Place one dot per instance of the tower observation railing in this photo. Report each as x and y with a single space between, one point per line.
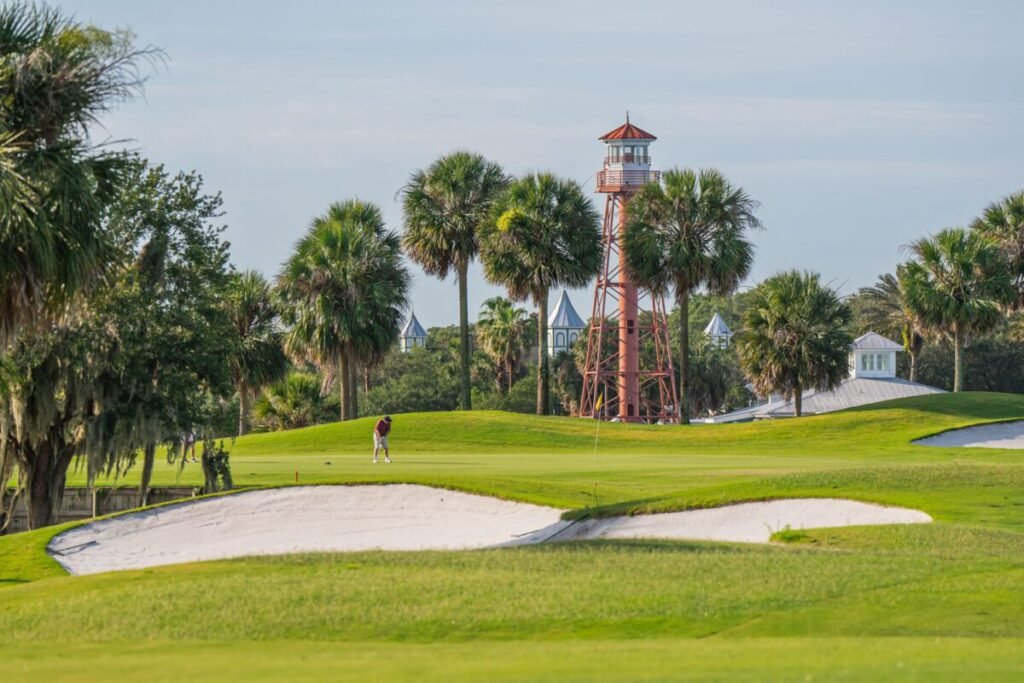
617 181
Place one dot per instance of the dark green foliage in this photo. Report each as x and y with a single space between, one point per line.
521 398
992 363
567 379
445 206
1003 221
794 336
56 77
503 332
142 362
883 308
688 232
543 233
216 467
257 350
415 381
343 294
716 380
957 286
293 402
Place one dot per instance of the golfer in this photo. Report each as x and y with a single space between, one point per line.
380 438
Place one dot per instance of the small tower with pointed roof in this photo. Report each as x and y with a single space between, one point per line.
718 332
564 326
412 334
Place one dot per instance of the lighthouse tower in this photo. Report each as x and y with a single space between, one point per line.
627 322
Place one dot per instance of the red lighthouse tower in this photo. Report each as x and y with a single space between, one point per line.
627 322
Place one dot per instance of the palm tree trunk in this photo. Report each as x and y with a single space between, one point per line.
958 361
683 301
343 378
353 383
798 400
243 408
913 366
510 369
543 390
465 399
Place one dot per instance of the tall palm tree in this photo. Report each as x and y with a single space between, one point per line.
501 331
343 293
257 355
445 206
1004 222
887 312
957 285
794 337
58 76
689 231
544 233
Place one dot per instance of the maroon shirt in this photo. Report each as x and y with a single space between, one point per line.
382 428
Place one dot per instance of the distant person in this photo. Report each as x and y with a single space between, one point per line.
380 438
189 445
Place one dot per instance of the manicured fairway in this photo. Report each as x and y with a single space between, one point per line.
939 602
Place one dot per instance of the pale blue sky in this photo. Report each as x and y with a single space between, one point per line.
859 126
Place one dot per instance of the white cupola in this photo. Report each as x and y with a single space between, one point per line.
872 355
564 326
412 334
718 332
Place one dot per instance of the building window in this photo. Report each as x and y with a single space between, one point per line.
559 340
883 361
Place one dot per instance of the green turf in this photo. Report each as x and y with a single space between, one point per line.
942 602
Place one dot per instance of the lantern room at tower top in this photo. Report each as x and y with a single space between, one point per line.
627 161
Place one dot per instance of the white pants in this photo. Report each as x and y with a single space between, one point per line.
380 441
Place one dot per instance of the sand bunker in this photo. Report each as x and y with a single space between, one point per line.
406 517
745 522
299 519
1000 435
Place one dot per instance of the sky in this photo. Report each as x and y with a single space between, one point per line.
858 126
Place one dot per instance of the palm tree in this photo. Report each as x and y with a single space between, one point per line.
887 312
689 232
343 293
501 331
257 355
794 337
544 233
1004 222
292 402
445 206
957 286
58 76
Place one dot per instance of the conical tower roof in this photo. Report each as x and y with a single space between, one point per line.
564 314
717 327
413 329
627 131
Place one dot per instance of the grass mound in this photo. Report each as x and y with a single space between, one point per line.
932 603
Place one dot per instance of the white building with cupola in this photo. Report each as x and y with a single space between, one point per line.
872 379
564 326
718 332
412 335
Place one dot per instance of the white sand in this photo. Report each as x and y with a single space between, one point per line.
1001 435
407 517
745 522
299 519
